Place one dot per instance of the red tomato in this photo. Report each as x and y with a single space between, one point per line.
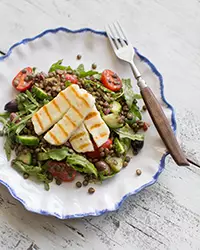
111 80
61 170
96 153
71 78
19 82
107 144
146 126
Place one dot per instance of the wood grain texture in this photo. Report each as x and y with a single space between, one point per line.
163 127
166 215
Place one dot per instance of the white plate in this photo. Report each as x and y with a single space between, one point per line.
66 201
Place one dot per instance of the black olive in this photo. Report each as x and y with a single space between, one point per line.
103 167
137 146
11 106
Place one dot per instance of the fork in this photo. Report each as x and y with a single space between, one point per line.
124 51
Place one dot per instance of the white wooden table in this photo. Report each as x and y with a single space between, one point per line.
166 215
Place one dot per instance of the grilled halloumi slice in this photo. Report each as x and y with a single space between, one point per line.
97 127
80 140
80 107
52 112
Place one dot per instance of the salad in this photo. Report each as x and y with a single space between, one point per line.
69 122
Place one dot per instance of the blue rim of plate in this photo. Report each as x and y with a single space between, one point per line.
169 106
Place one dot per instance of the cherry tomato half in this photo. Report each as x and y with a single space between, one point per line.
71 78
111 80
96 153
19 82
146 126
61 170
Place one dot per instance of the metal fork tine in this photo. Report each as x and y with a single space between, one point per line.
110 38
121 39
117 43
123 32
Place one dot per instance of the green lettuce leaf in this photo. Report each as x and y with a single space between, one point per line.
7 147
5 115
81 164
137 96
58 154
128 91
35 171
58 65
127 132
82 73
135 111
105 177
24 168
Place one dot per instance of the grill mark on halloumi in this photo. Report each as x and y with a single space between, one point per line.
62 94
38 120
62 129
100 136
81 98
77 136
54 138
81 116
56 105
91 115
84 146
64 97
73 124
47 113
80 140
97 125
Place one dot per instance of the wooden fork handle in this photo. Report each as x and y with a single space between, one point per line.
163 127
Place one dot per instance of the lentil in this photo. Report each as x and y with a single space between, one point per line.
86 177
107 151
85 183
78 184
127 159
91 190
135 101
94 66
125 164
138 171
78 57
50 176
25 175
144 108
102 154
106 104
94 160
129 116
101 149
58 181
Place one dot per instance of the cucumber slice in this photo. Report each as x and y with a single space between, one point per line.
126 143
118 146
116 107
27 140
115 163
42 156
40 93
25 158
112 120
